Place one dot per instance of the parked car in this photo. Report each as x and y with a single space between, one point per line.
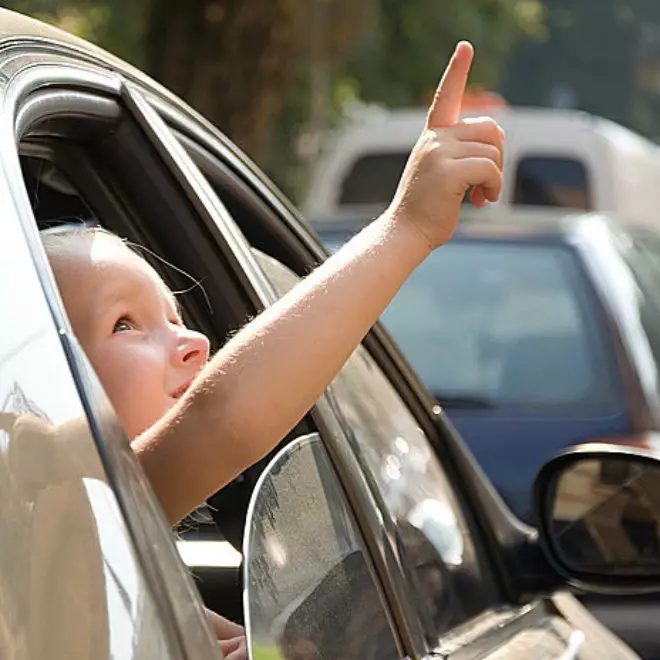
536 335
556 160
371 533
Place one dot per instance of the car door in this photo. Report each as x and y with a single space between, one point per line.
88 567
446 590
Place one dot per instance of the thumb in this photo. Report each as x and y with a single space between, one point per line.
445 108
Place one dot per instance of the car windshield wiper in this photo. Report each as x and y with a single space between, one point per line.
464 401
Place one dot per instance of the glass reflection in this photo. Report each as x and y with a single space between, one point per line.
310 594
69 583
606 517
435 543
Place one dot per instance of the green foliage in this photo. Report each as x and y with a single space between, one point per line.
396 60
606 52
400 61
116 25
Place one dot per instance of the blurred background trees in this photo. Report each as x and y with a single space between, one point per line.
275 75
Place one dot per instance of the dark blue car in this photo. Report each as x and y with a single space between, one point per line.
535 336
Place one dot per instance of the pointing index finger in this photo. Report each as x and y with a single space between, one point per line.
445 108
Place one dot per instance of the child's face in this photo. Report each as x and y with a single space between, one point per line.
127 321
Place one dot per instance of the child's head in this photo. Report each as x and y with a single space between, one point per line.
128 323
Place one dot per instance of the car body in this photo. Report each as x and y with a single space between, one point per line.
535 329
88 566
557 160
536 334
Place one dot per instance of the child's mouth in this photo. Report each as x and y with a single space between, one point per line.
180 391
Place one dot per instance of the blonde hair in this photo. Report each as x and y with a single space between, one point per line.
58 241
61 240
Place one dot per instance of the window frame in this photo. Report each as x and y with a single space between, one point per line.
644 264
157 561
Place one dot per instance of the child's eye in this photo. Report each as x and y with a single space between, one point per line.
124 324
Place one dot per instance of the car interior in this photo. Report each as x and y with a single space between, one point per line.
112 177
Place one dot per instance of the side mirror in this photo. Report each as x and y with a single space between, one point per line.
598 511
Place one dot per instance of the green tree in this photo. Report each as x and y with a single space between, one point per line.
116 25
273 74
407 49
396 60
602 56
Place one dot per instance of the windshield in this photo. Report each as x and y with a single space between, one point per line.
489 324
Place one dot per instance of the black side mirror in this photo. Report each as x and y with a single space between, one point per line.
598 512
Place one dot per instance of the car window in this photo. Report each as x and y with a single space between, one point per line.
450 582
89 540
71 582
552 181
514 314
373 179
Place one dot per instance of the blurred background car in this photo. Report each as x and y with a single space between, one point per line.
555 160
535 335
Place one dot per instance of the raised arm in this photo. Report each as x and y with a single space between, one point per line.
266 378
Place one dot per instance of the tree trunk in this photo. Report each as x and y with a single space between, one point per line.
232 60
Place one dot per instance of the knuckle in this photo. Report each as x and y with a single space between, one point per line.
494 153
444 168
492 130
432 140
492 171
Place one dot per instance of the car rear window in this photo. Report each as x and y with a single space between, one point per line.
373 179
552 181
503 324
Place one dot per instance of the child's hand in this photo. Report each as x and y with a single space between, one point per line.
450 157
230 635
234 649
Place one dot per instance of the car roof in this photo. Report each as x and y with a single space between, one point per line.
521 225
530 225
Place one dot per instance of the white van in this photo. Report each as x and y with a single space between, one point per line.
554 160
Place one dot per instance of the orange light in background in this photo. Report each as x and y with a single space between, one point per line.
478 99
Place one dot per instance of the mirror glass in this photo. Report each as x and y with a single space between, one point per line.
605 516
309 589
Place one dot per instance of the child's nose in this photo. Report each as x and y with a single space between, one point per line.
193 348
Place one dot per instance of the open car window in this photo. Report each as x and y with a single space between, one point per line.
105 542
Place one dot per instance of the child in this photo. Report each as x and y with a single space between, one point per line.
196 424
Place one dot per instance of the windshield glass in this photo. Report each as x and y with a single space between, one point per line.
501 324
